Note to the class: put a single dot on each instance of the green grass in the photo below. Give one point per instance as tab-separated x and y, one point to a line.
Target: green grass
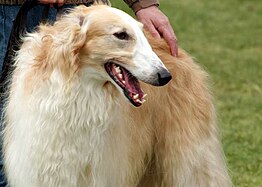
225	37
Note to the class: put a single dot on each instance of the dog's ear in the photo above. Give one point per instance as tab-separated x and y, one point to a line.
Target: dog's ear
77	38
62	43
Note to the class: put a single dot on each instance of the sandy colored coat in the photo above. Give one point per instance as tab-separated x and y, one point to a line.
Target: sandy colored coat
69	125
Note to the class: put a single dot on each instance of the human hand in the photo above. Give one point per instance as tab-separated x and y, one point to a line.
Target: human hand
52	2
159	26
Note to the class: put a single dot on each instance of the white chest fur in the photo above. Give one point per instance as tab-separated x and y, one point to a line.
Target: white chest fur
67	140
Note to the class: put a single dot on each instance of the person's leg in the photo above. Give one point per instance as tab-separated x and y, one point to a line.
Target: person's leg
7	16
35	15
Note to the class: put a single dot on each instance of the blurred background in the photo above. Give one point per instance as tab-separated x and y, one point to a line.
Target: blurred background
225	38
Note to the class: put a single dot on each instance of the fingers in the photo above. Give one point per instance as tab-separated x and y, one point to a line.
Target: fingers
158	24
170	37
164	27
60	3
150	27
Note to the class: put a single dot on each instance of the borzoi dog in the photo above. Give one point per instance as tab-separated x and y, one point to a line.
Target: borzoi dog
76	113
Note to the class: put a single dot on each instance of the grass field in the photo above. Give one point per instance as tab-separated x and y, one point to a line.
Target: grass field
225	37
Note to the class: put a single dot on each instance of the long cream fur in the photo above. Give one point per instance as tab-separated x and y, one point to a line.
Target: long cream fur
68	125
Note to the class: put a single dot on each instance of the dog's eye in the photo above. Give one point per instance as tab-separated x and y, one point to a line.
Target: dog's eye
121	35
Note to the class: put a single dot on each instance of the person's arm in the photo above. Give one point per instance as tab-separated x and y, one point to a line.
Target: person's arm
148	13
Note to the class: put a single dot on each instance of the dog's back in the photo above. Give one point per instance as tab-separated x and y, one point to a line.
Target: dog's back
68	123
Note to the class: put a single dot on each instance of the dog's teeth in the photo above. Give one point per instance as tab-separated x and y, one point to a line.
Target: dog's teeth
120	76
138	101
118	69
144	96
143	100
124	82
135	96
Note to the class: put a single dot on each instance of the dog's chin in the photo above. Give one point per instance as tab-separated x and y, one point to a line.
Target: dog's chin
127	82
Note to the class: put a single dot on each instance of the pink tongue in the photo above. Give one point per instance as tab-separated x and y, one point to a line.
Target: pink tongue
131	84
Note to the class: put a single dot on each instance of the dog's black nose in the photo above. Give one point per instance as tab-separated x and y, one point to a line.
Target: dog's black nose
163	77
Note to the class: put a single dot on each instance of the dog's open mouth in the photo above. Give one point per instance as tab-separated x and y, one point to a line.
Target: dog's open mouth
127	82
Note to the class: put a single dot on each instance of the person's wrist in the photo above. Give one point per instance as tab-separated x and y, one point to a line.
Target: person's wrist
138	5
149	7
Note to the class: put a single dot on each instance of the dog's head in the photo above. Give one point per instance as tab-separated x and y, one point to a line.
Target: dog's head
109	45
